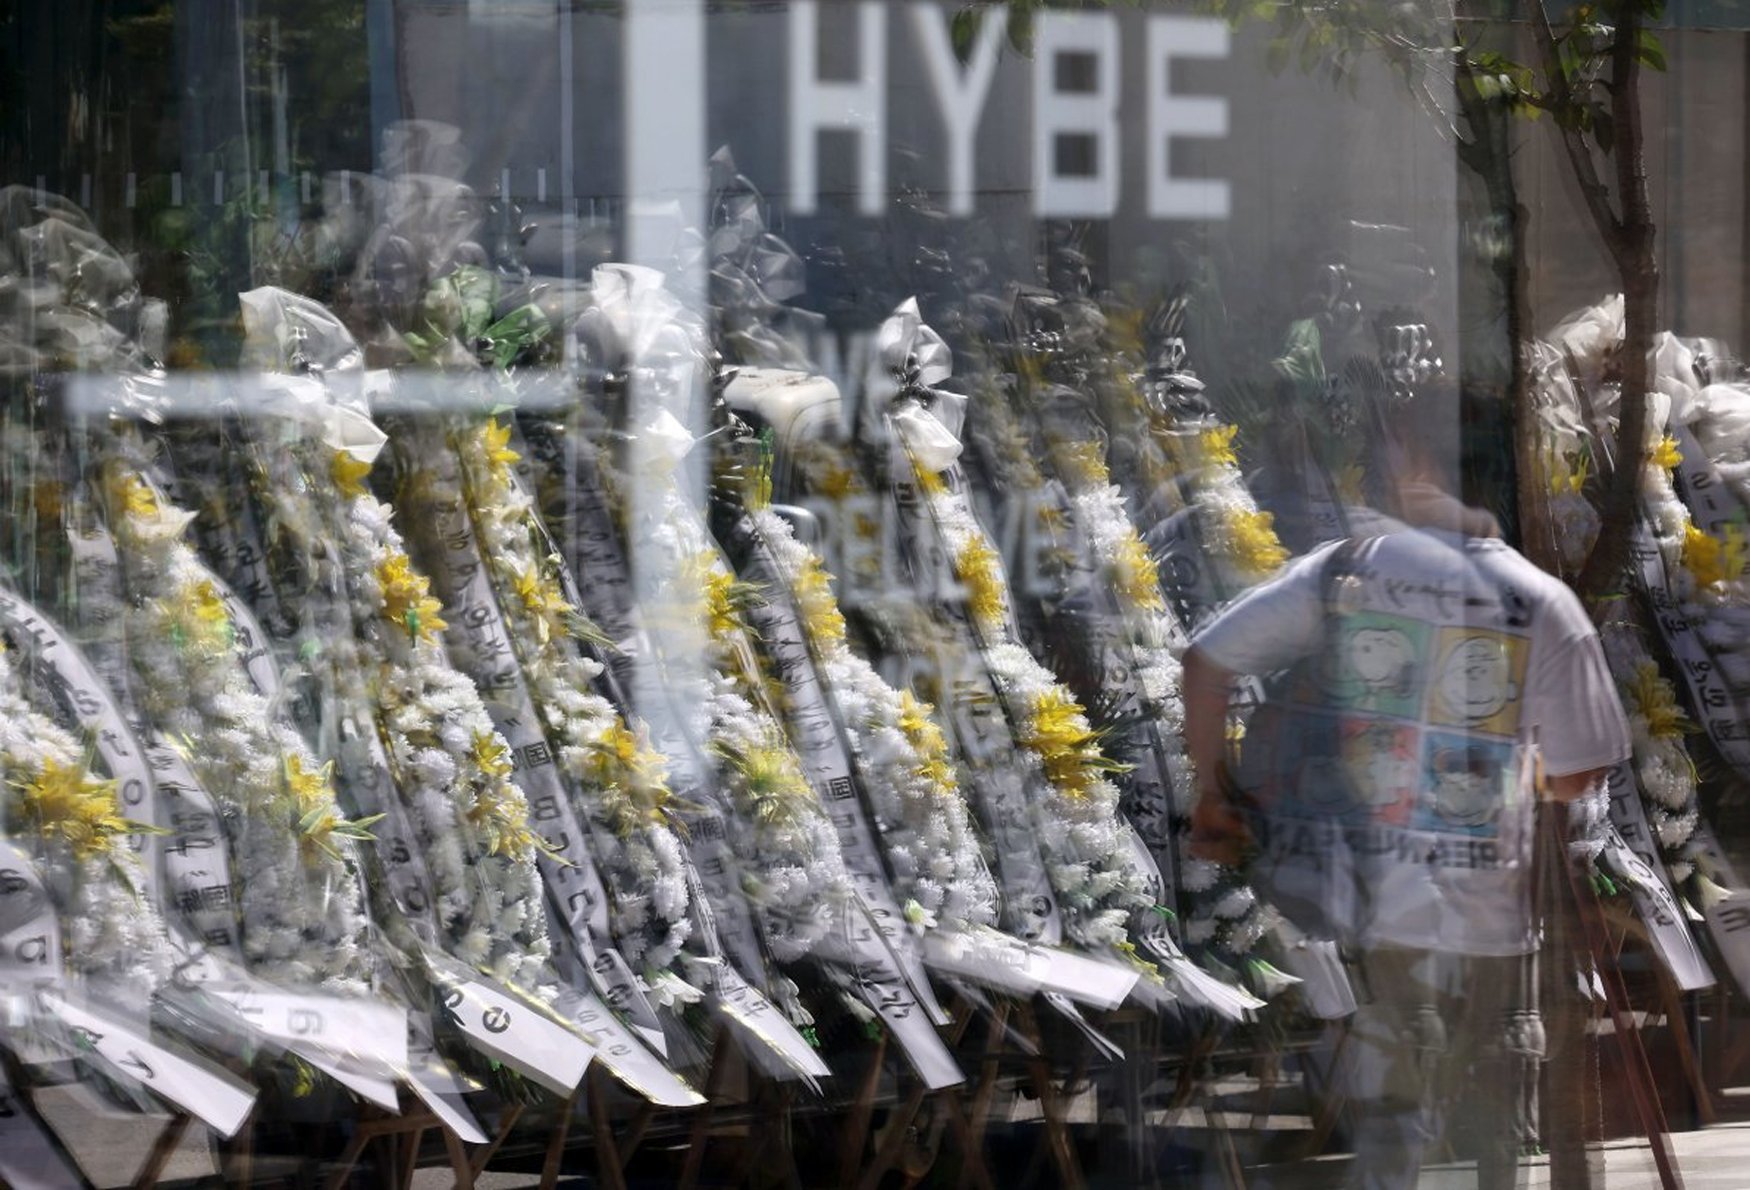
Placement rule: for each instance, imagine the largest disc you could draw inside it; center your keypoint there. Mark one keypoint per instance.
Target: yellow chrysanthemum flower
(309, 790)
(772, 781)
(407, 598)
(491, 755)
(1134, 575)
(722, 615)
(1083, 464)
(348, 472)
(67, 802)
(541, 598)
(930, 483)
(1567, 472)
(1656, 701)
(1215, 445)
(1058, 730)
(1714, 559)
(978, 567)
(312, 798)
(199, 619)
(624, 759)
(1256, 548)
(820, 611)
(1665, 455)
(131, 496)
(495, 443)
(925, 736)
(502, 818)
(835, 481)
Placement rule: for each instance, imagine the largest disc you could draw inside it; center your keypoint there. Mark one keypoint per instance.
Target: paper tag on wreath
(206, 1092)
(510, 1026)
(856, 947)
(1007, 964)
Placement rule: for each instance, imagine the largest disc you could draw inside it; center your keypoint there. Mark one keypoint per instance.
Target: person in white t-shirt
(1384, 790)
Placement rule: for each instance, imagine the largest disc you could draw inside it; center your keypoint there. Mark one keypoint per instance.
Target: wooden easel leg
(561, 1130)
(162, 1150)
(484, 1155)
(862, 1111)
(363, 1134)
(971, 1143)
(1057, 1137)
(1640, 1078)
(609, 1167)
(410, 1158)
(1576, 904)
(1677, 1020)
(721, 1052)
(989, 1070)
(392, 1153)
(1231, 1166)
(459, 1162)
(887, 1155)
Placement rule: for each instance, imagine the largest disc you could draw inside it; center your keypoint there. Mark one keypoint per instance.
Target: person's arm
(1218, 832)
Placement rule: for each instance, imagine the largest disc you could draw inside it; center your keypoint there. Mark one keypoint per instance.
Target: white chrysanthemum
(451, 766)
(615, 776)
(110, 932)
(920, 816)
(792, 866)
(1084, 840)
(302, 907)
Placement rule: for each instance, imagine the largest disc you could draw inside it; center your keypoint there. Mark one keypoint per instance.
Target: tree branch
(1592, 187)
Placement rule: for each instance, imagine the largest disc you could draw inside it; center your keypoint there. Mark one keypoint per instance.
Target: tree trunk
(1631, 242)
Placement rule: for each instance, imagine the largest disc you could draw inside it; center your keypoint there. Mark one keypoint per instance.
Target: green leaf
(478, 290)
(963, 31)
(515, 333)
(1302, 360)
(1650, 50)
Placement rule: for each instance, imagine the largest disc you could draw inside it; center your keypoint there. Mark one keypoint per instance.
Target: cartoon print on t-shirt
(1381, 762)
(1465, 782)
(1478, 680)
(1377, 664)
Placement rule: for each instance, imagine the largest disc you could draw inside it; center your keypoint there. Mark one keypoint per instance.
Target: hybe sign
(1081, 100)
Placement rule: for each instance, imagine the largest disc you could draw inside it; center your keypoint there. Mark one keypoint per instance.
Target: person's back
(1387, 784)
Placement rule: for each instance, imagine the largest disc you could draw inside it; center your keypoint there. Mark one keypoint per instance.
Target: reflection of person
(1433, 905)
